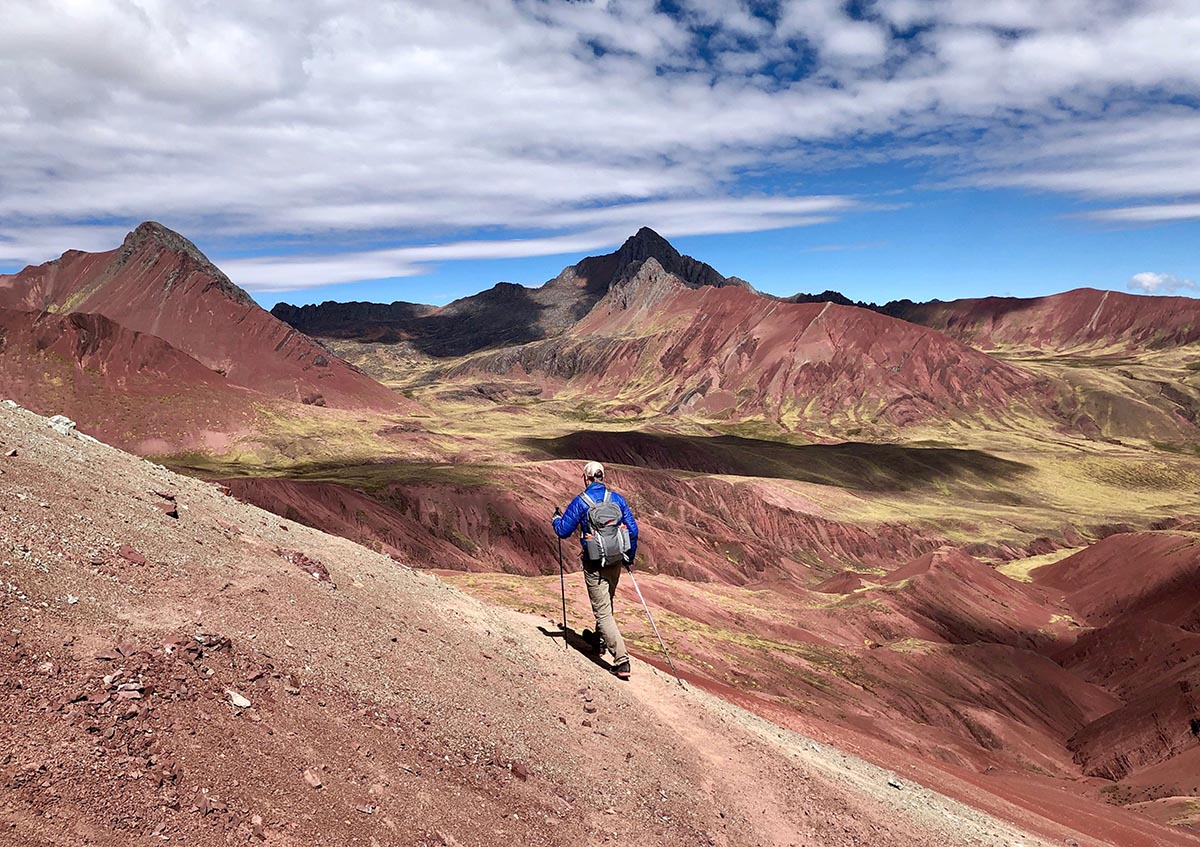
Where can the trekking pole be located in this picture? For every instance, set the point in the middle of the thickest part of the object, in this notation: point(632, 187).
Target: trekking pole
point(629, 568)
point(562, 583)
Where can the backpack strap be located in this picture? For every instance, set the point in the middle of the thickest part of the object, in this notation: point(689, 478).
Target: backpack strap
point(607, 495)
point(587, 499)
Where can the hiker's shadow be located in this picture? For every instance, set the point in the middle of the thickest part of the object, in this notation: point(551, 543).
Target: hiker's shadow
point(578, 643)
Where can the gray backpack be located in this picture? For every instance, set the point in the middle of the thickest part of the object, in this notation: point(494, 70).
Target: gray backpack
point(607, 538)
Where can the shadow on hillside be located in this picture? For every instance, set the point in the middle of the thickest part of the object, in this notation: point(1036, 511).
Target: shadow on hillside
point(578, 643)
point(871, 467)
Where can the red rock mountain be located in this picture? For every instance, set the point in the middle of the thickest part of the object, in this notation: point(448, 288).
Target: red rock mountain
point(1140, 592)
point(117, 382)
point(1082, 319)
point(158, 283)
point(731, 353)
point(505, 314)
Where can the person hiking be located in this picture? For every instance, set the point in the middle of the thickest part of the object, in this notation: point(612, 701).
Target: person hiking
point(608, 539)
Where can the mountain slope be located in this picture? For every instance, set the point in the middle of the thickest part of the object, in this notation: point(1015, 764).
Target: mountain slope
point(159, 284)
point(191, 678)
point(130, 388)
point(1140, 592)
point(1083, 319)
point(505, 314)
point(1079, 320)
point(728, 353)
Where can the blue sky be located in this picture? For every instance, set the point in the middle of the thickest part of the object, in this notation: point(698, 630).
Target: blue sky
point(423, 151)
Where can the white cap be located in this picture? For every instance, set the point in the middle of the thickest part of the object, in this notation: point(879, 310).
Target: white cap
point(593, 470)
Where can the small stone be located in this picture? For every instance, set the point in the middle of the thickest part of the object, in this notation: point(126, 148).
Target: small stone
point(520, 771)
point(237, 699)
point(61, 424)
point(169, 509)
point(895, 783)
point(130, 555)
point(366, 810)
point(11, 454)
point(72, 599)
point(312, 779)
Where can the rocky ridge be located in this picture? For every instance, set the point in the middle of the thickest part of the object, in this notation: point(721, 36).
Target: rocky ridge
point(506, 314)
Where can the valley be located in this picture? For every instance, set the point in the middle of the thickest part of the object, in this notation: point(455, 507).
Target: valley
point(977, 562)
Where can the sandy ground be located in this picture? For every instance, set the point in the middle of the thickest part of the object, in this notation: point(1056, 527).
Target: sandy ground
point(199, 680)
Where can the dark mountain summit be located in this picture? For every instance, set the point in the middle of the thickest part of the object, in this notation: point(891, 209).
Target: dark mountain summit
point(505, 314)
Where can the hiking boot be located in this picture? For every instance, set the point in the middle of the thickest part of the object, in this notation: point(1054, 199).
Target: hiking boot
point(596, 641)
point(622, 670)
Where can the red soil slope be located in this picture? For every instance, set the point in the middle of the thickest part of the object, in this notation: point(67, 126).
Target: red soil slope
point(119, 381)
point(1142, 592)
point(1143, 576)
point(960, 600)
point(159, 284)
point(187, 680)
point(501, 526)
point(1074, 320)
point(731, 353)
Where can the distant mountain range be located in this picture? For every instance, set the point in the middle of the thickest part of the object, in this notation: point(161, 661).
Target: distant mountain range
point(644, 329)
point(509, 314)
point(505, 314)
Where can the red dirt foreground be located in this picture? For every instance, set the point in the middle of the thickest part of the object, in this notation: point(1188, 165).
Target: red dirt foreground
point(227, 677)
point(157, 283)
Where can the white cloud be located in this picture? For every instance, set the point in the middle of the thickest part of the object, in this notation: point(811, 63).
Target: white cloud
point(1148, 214)
point(1155, 283)
point(605, 228)
point(411, 121)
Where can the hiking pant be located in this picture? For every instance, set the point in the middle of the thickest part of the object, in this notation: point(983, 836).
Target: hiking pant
point(602, 587)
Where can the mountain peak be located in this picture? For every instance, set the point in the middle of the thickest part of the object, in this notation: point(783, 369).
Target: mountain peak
point(152, 232)
point(647, 244)
point(154, 236)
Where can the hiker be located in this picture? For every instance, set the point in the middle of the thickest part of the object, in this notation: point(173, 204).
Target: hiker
point(608, 538)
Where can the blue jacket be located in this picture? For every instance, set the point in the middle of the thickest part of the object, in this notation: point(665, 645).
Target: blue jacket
point(575, 517)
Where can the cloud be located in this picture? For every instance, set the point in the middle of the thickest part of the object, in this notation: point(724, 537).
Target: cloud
point(1149, 214)
point(606, 228)
point(1154, 283)
point(529, 120)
